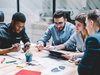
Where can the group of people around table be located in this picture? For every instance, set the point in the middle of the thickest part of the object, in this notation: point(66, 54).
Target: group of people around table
point(80, 41)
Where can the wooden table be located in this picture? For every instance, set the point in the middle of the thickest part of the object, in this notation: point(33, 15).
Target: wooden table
point(44, 64)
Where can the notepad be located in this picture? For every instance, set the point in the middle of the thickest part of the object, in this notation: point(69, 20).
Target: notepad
point(28, 72)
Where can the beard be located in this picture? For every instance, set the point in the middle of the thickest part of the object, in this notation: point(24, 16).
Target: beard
point(60, 28)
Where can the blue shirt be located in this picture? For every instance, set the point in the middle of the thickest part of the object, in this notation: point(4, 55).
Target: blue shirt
point(58, 37)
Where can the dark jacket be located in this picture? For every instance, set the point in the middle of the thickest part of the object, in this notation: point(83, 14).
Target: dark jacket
point(90, 63)
point(8, 38)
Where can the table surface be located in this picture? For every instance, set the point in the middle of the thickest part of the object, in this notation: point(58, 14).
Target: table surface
point(43, 64)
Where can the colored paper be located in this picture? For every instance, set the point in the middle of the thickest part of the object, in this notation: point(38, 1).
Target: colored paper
point(28, 72)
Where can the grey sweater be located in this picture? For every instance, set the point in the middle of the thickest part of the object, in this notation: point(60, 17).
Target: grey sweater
point(75, 42)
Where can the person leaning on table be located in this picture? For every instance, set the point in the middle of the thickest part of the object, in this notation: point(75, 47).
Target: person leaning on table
point(90, 63)
point(77, 40)
point(13, 33)
point(60, 31)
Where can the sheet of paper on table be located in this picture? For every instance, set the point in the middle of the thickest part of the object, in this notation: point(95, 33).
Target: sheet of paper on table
point(57, 70)
point(18, 55)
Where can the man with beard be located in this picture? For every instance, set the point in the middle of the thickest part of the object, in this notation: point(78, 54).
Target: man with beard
point(60, 32)
point(13, 33)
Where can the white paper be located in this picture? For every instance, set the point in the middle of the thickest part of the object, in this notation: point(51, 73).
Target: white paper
point(1, 72)
point(61, 72)
point(17, 55)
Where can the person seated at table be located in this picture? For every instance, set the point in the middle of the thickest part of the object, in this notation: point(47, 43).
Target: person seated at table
point(13, 33)
point(60, 31)
point(77, 39)
point(90, 63)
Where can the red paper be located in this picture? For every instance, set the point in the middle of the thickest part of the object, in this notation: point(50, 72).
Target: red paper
point(28, 72)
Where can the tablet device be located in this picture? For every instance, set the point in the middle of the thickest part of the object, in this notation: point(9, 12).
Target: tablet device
point(56, 54)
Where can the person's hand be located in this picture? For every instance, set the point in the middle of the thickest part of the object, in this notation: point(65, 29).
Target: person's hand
point(15, 47)
point(26, 46)
point(49, 47)
point(40, 46)
point(77, 61)
point(69, 55)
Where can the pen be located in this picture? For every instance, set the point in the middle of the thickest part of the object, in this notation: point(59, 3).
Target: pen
point(10, 61)
point(3, 60)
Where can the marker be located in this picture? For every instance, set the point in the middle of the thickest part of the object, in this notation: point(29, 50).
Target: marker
point(20, 66)
point(10, 61)
point(3, 60)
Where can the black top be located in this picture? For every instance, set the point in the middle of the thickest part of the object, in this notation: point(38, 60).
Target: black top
point(90, 63)
point(8, 38)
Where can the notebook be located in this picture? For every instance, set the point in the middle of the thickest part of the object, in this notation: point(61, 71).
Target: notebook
point(28, 72)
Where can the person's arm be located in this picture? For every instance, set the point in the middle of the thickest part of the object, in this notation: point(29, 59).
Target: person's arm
point(79, 54)
point(25, 37)
point(44, 39)
point(25, 40)
point(70, 44)
point(59, 47)
point(4, 51)
point(14, 48)
point(46, 36)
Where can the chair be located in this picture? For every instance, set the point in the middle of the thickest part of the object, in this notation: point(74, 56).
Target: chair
point(1, 16)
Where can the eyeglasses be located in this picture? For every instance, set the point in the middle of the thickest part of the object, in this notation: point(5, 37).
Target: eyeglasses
point(59, 23)
point(57, 69)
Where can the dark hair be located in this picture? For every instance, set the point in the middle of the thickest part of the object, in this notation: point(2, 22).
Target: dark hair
point(59, 14)
point(81, 18)
point(93, 14)
point(19, 17)
point(1, 16)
